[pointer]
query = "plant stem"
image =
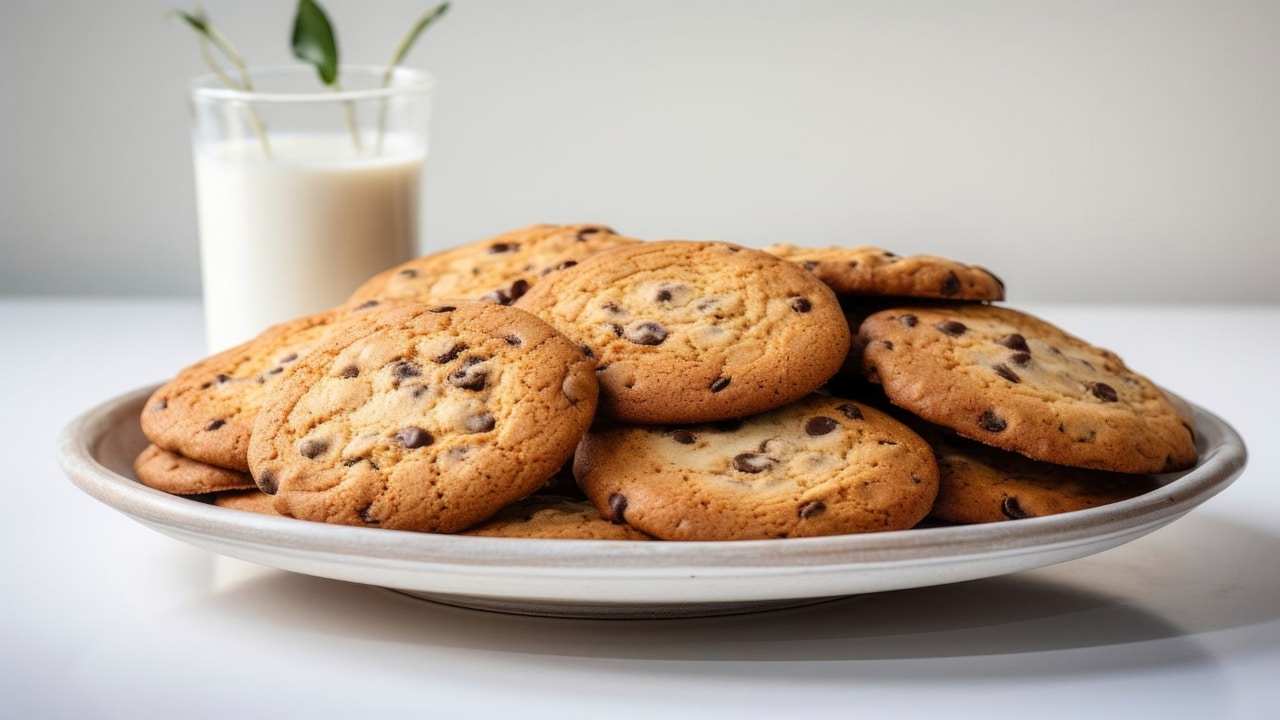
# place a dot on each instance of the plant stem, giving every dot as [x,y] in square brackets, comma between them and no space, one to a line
[349,113]
[402,49]
[246,84]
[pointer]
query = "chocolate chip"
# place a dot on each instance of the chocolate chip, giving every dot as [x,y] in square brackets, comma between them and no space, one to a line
[366,515]
[1012,509]
[810,265]
[647,333]
[1014,341]
[497,297]
[991,422]
[405,369]
[266,482]
[953,328]
[349,372]
[751,463]
[950,286]
[480,423]
[222,378]
[611,307]
[583,233]
[1020,358]
[618,508]
[451,354]
[275,370]
[908,320]
[312,449]
[470,376]
[215,424]
[801,305]
[617,330]
[512,340]
[366,305]
[730,425]
[684,437]
[888,344]
[1103,392]
[413,437]
[518,289]
[559,266]
[586,352]
[853,412]
[820,425]
[662,296]
[504,247]
[442,309]
[813,508]
[409,273]
[160,405]
[206,385]
[1004,372]
[720,383]
[351,461]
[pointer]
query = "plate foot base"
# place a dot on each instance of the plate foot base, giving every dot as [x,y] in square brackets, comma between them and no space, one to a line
[611,611]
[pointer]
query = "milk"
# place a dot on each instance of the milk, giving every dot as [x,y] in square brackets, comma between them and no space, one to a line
[297,232]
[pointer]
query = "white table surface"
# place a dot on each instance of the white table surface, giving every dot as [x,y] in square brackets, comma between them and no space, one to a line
[103,617]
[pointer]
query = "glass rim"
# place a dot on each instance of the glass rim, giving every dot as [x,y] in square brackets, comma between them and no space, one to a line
[209,86]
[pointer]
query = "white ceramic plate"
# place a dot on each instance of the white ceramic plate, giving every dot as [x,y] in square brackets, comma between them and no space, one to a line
[592,578]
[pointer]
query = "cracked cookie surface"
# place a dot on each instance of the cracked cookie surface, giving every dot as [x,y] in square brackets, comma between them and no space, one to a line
[819,466]
[685,331]
[1010,380]
[427,418]
[869,270]
[497,270]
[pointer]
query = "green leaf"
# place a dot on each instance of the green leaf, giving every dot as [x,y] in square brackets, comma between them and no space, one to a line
[313,40]
[423,22]
[198,22]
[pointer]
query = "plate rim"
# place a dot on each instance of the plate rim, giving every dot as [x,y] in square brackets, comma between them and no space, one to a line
[1223,459]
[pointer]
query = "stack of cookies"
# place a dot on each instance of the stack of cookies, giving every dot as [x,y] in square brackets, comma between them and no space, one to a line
[571,382]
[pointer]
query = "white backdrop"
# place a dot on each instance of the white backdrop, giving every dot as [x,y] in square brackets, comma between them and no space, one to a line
[1084,150]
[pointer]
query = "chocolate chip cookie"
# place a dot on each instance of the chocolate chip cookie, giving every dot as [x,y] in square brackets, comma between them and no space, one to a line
[173,473]
[498,270]
[819,466]
[868,270]
[206,412]
[428,418]
[1012,381]
[695,331]
[253,501]
[550,517]
[980,484]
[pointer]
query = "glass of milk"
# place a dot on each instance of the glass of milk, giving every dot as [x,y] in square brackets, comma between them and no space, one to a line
[303,192]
